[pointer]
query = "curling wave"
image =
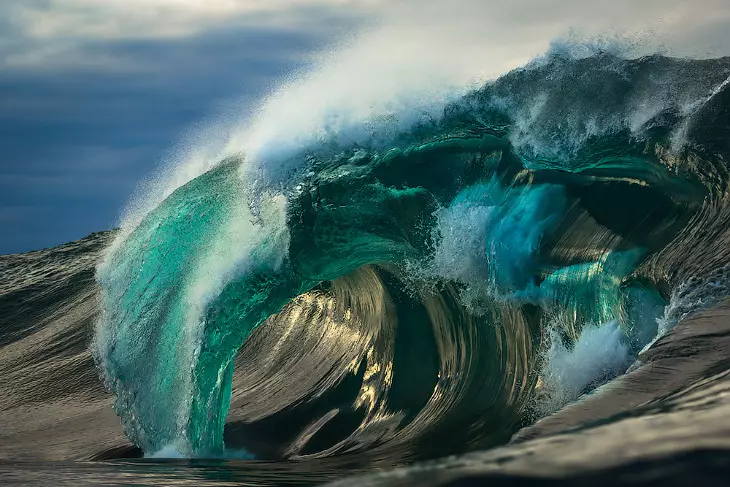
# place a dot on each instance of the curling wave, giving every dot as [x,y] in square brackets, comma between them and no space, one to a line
[467,273]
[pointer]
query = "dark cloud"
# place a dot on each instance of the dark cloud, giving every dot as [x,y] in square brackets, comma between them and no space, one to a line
[75,142]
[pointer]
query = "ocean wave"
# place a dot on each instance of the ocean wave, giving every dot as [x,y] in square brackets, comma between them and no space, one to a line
[392,277]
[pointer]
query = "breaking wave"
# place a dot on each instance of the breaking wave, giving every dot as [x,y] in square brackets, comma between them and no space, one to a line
[384,277]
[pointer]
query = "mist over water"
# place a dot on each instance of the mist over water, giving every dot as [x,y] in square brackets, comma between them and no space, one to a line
[408,60]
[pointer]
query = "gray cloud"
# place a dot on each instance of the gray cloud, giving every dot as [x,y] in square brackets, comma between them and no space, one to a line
[76,139]
[66,34]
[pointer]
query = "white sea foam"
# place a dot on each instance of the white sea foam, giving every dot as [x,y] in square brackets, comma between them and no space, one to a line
[167,453]
[600,354]
[691,297]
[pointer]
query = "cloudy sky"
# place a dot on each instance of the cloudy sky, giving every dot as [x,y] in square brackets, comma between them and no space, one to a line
[96,94]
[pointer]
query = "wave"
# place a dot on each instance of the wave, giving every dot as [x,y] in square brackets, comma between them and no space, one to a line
[468,270]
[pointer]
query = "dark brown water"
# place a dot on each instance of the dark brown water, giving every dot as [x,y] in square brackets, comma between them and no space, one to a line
[668,420]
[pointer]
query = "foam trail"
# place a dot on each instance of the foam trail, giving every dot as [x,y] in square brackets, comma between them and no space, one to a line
[691,297]
[679,138]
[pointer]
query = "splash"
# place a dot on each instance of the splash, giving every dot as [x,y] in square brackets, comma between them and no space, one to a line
[601,353]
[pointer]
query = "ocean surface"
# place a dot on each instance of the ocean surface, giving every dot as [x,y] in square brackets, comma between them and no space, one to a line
[526,286]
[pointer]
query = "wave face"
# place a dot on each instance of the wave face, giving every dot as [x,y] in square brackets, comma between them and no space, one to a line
[468,274]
